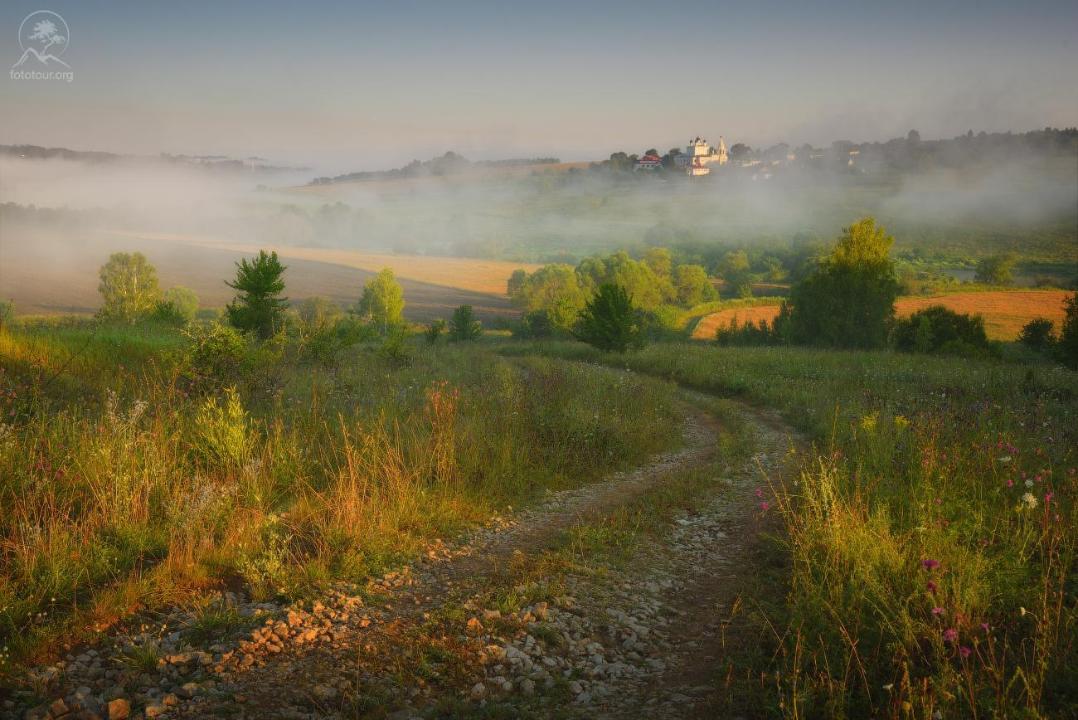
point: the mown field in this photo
(44, 274)
(1005, 312)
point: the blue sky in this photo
(353, 84)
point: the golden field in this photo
(1004, 311)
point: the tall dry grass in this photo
(128, 481)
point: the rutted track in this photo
(645, 642)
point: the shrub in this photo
(216, 355)
(938, 329)
(394, 348)
(463, 326)
(609, 321)
(434, 331)
(1038, 335)
(259, 306)
(317, 314)
(534, 325)
(222, 429)
(178, 306)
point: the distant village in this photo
(699, 158)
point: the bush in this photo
(463, 326)
(937, 329)
(535, 325)
(434, 331)
(216, 355)
(222, 430)
(178, 306)
(1038, 335)
(609, 321)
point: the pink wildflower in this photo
(964, 651)
(984, 626)
(937, 611)
(765, 506)
(950, 635)
(931, 586)
(930, 564)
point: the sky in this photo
(355, 85)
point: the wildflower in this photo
(1028, 502)
(931, 586)
(1048, 497)
(930, 564)
(984, 626)
(937, 611)
(901, 422)
(759, 492)
(1004, 460)
(964, 651)
(1029, 483)
(765, 506)
(1022, 611)
(868, 422)
(950, 635)
(1010, 482)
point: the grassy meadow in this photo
(141, 466)
(929, 545)
(922, 565)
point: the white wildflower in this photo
(1029, 501)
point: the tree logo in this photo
(43, 37)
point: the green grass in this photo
(930, 539)
(126, 483)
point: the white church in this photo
(699, 154)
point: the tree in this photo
(734, 270)
(996, 269)
(178, 306)
(463, 326)
(693, 285)
(660, 261)
(516, 283)
(556, 290)
(739, 150)
(383, 300)
(608, 321)
(848, 300)
(258, 306)
(128, 287)
(1037, 334)
(1068, 336)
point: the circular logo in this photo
(45, 32)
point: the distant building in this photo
(699, 155)
(648, 163)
